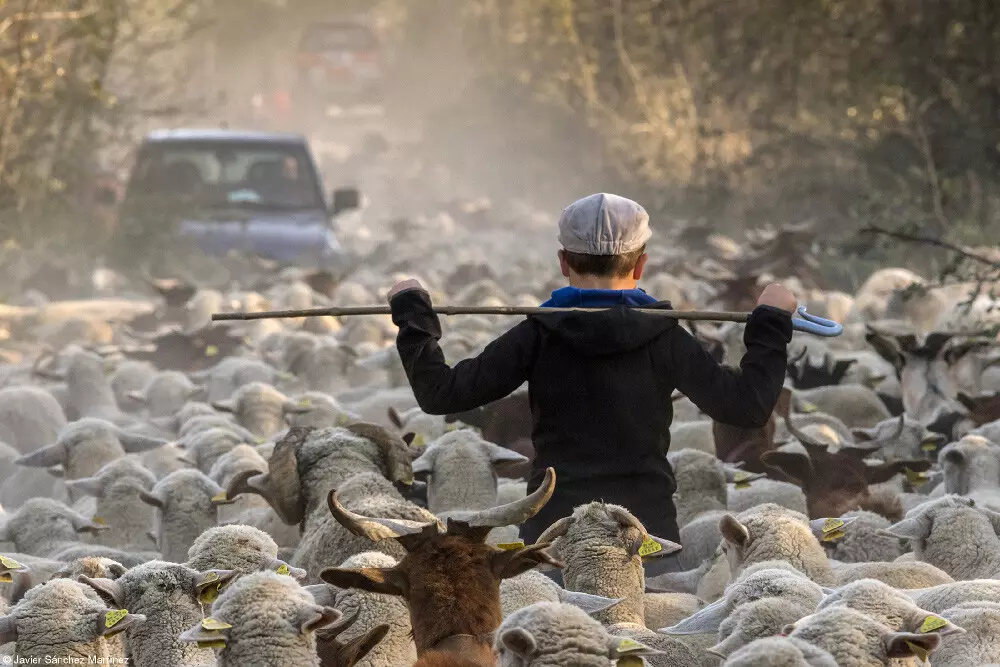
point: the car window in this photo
(228, 175)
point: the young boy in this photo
(600, 383)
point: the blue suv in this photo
(253, 192)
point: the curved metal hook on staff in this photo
(807, 323)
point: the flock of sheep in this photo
(178, 492)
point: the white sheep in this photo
(241, 549)
(263, 618)
(186, 504)
(978, 645)
(555, 634)
(116, 487)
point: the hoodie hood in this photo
(619, 329)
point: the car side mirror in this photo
(106, 197)
(345, 199)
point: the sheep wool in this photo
(264, 618)
(979, 644)
(242, 549)
(185, 509)
(171, 597)
(780, 652)
(554, 634)
(64, 620)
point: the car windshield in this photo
(228, 175)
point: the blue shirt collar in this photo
(576, 297)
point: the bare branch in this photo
(926, 240)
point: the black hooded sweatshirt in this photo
(599, 386)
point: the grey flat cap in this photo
(604, 224)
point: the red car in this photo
(340, 64)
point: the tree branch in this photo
(926, 240)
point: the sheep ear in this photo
(908, 529)
(57, 472)
(133, 443)
(501, 455)
(354, 651)
(865, 434)
(877, 474)
(106, 588)
(46, 457)
(733, 531)
(592, 604)
(83, 525)
(621, 648)
(910, 645)
(197, 634)
(314, 618)
(520, 642)
(8, 629)
(828, 529)
(793, 464)
(705, 620)
(324, 594)
(923, 622)
(387, 581)
(227, 405)
(115, 621)
(425, 462)
(137, 396)
(650, 543)
(117, 569)
(88, 485)
(153, 500)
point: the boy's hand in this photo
(778, 296)
(402, 287)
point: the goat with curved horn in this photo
(376, 529)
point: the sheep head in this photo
(450, 579)
(280, 485)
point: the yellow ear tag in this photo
(407, 482)
(834, 536)
(283, 569)
(99, 521)
(247, 340)
(807, 408)
(112, 618)
(215, 643)
(649, 547)
(342, 420)
(511, 546)
(211, 351)
(929, 446)
(916, 477)
(918, 651)
(450, 427)
(832, 525)
(210, 594)
(418, 440)
(259, 441)
(742, 480)
(305, 403)
(10, 563)
(219, 497)
(214, 624)
(629, 646)
(932, 623)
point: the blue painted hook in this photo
(819, 326)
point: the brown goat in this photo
(450, 580)
(837, 482)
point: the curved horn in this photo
(555, 531)
(375, 530)
(519, 511)
(806, 440)
(392, 446)
(280, 485)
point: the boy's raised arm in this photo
(743, 398)
(502, 367)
